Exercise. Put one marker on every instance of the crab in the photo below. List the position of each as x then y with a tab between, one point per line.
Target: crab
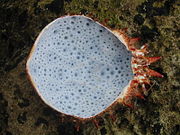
135	88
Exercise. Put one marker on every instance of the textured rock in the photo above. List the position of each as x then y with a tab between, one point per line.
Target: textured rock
21	22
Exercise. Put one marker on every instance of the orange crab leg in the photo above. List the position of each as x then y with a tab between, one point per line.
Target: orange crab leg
152	59
124	29
106	20
127	104
140	67
96	123
134	40
112	116
144	48
151	72
145	80
140	95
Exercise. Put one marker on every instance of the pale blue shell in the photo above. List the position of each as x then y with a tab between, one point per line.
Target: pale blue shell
78	66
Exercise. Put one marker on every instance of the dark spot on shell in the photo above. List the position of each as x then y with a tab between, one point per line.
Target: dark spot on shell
55	31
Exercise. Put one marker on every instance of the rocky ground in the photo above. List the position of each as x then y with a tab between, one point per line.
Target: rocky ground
156	21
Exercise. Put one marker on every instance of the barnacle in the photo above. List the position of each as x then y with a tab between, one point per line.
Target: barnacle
81	68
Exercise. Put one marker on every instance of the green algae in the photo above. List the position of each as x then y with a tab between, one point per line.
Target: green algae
157	23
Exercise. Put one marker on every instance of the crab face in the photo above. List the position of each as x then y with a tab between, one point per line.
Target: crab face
79	67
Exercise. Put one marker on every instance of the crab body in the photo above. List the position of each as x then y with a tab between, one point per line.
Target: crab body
96	49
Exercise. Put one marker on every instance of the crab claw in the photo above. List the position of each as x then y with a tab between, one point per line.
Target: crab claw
151	72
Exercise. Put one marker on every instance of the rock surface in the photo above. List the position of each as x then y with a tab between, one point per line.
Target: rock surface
21	110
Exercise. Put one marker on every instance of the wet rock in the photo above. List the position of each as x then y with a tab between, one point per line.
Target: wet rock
23	103
47	111
103	131
175	130
147	33
17	92
23	18
148	8
3	113
84	11
40	121
22	118
67	128
8	133
37	10
158	114
55	6
138	19
101	122
95	4
1	96
22	75
156	129
68	0
124	122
